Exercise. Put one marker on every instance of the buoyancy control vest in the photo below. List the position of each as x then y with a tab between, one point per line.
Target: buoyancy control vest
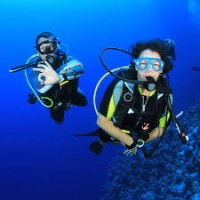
132	110
56	93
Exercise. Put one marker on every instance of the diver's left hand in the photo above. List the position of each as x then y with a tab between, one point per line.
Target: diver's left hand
131	149
131	152
47	75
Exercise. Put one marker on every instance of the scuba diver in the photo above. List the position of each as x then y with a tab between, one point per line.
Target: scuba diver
135	113
196	68
55	75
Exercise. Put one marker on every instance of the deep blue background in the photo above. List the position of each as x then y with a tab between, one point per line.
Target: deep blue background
41	160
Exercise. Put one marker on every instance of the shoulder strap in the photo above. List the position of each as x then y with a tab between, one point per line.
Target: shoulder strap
123	102
117	92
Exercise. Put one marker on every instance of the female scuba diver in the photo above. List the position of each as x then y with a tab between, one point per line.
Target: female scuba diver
133	112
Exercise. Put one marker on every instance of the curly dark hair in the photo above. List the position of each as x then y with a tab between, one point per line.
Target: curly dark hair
44	35
158	46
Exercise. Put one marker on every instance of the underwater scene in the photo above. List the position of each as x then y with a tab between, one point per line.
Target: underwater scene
51	146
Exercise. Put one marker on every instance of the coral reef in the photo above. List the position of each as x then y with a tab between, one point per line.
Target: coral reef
172	173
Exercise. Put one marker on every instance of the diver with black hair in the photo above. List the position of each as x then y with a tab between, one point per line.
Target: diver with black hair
132	113
55	76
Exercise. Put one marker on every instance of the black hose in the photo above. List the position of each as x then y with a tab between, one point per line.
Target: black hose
22	67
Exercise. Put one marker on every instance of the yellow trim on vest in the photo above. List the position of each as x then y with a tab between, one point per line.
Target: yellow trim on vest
64	82
126	131
163	120
111	108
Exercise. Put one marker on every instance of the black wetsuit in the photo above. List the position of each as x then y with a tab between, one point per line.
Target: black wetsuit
133	120
65	96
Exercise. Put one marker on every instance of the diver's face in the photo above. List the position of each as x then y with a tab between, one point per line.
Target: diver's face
45	48
149	70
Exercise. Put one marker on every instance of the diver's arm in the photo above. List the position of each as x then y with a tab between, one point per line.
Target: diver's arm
71	70
155	133
108	126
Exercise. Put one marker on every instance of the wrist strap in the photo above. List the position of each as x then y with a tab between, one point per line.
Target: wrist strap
63	79
132	145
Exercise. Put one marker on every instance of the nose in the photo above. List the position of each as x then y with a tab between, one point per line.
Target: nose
149	66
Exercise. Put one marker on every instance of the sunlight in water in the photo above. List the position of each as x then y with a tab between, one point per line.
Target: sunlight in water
193	7
194	12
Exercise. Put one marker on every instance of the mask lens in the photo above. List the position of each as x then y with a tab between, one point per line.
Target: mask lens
46	47
156	65
144	62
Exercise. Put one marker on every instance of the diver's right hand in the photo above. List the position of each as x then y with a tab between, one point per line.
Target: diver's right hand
47	75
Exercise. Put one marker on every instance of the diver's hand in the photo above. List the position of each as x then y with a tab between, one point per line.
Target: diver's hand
47	75
131	150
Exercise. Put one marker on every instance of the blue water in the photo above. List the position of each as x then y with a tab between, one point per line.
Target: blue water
41	160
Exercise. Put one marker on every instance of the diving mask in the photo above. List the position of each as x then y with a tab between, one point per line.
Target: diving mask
47	47
143	63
